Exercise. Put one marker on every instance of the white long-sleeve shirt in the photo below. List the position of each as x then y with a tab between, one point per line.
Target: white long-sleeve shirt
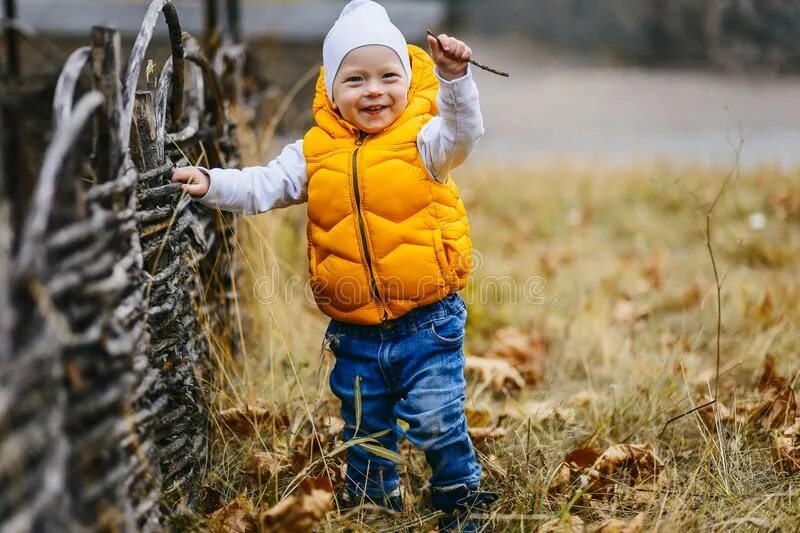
444	143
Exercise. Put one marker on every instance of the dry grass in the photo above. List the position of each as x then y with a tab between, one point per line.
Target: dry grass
627	320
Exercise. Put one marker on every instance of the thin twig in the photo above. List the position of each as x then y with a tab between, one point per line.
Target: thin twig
479	65
674	418
734	172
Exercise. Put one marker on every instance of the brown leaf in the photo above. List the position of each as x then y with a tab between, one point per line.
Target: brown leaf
638	460
628	464
478	417
334	425
297	513
317	483
500	376
787	454
576	463
572	524
264	465
615	525
480	435
234	517
525	352
778	409
770	378
582	458
562	479
247	419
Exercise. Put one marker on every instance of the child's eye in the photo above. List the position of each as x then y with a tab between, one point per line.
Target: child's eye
389	75
353	79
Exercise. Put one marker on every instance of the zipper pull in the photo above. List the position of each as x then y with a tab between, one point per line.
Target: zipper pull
360	140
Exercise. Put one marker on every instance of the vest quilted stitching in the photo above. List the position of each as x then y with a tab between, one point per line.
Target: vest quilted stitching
383	237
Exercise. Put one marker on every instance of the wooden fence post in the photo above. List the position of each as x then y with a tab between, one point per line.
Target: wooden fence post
106	76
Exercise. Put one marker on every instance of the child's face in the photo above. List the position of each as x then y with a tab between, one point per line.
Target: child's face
371	88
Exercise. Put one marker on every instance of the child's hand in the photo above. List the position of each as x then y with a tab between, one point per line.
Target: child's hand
195	181
451	58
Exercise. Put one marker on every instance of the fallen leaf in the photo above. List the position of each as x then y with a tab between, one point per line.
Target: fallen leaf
317	483
334	425
571	524
770	378
778	409
561	479
597	473
638	460
297	513
615	525
525	352
247	419
582	458
500	376
481	435
575	464
478	417
234	517
787	454
264	465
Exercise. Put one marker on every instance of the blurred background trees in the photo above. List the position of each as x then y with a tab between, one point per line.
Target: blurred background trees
734	34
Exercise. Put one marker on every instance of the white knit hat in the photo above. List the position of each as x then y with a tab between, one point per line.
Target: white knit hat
361	23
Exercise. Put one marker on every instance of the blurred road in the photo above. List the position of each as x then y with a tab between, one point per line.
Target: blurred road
560	107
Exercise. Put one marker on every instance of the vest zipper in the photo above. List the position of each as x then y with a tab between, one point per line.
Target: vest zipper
363	227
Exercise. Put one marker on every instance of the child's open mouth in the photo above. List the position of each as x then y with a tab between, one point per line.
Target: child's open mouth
374	109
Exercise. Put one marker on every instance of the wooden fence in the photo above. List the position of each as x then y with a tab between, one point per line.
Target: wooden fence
111	283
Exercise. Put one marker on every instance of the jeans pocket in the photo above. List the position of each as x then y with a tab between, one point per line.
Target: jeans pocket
449	330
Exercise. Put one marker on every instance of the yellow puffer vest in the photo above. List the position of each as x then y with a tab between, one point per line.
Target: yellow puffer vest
383	236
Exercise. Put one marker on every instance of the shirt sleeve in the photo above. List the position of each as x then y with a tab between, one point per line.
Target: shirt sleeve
447	139
282	182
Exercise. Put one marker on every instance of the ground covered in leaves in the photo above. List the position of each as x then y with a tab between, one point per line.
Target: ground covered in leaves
592	324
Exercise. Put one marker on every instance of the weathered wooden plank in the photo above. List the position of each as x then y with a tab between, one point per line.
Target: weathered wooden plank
32	235
146	151
137	57
105	73
65	87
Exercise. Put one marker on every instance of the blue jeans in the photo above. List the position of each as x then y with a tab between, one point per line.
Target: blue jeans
411	369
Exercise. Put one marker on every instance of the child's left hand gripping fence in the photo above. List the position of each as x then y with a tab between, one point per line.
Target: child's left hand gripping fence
110	288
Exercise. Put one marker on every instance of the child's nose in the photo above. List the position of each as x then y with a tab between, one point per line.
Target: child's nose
374	88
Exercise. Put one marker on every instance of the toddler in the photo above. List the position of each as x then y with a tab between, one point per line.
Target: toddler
388	245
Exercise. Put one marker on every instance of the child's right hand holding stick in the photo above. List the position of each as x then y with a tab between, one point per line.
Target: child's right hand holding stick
445	43
450	55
